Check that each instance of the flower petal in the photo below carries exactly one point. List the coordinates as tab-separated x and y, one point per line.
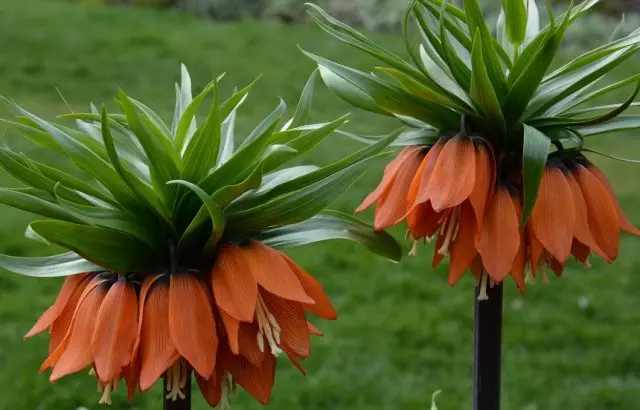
233	285
231	325
553	219
390	172
463	250
60	326
422	221
392	205
485	179
603	216
69	286
248	343
273	273
322	306
520	261
290	316
314	331
115	331
582	232
500	239
191	323
419	190
454	175
625	224
77	346
257	381
212	389
157	351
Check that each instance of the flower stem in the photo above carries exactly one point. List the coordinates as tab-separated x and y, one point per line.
487	349
179	404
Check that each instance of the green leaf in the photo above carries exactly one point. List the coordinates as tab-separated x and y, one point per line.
274	179
582	99
267	124
35	205
202	150
516	20
412	136
303	110
529	70
391	98
534	159
300	142
111	249
622	123
332	225
184	98
216	215
433	400
163	159
186	124
66	264
493	66
436	68
482	92
145	194
348	92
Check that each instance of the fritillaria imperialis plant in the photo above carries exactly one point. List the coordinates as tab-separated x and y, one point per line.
174	237
493	166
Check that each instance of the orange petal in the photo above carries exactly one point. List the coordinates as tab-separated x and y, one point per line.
212	389
314	331
625	224
273	273
463	250
437	256
77	346
454	175
322	306
419	190
293	324
556	267
553	219
422	221
580	251
191	323
500	239
67	290
536	250
601	208
115	331
390	172
296	363
157	352
248	343
231	325
392	206
257	381
582	232
131	375
60	326
234	287
485	179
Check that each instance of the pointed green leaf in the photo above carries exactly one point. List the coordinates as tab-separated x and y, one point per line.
622	123
516	20
331	225
534	159
303	110
66	264
482	92
111	249
35	205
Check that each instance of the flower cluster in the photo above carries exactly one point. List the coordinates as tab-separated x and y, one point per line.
227	326
454	191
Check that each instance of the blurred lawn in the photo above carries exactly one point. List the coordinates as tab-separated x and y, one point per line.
403	333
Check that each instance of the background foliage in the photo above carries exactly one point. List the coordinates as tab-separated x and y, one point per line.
403	333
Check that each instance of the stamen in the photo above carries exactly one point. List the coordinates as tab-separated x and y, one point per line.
414	249
106	395
407	235
451	227
176	380
529	278
483	288
228	390
92	372
268	328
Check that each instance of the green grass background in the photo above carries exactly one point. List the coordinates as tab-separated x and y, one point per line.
403	332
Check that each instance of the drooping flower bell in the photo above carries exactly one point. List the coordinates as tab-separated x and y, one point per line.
174	236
